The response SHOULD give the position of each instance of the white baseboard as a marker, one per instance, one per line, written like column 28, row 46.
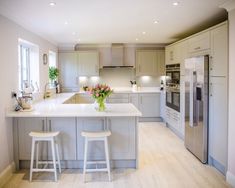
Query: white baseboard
column 6, row 174
column 230, row 178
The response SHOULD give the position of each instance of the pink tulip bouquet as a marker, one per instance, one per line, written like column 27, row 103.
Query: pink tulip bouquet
column 99, row 93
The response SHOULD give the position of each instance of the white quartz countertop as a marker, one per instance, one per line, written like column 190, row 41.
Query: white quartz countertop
column 54, row 107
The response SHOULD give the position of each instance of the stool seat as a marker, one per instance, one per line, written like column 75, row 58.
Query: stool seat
column 96, row 134
column 43, row 134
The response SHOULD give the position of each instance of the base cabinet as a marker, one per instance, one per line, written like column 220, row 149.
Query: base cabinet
column 95, row 149
column 25, row 126
column 123, row 138
column 149, row 105
column 121, row 142
column 66, row 139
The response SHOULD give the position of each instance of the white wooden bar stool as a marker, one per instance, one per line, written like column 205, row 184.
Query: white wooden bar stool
column 42, row 137
column 96, row 136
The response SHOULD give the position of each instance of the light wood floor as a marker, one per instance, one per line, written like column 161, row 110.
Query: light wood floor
column 164, row 162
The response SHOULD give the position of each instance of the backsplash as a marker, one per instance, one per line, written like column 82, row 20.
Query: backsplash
column 120, row 77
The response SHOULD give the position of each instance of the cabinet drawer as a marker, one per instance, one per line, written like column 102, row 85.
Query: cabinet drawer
column 118, row 101
column 200, row 42
column 119, row 96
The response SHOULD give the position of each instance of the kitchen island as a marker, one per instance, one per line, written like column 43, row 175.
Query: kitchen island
column 71, row 119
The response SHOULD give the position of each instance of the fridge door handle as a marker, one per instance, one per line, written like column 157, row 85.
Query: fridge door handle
column 193, row 106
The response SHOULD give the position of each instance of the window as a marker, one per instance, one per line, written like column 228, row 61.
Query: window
column 52, row 59
column 28, row 65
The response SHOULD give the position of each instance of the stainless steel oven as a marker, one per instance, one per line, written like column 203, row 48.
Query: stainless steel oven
column 173, row 86
column 173, row 98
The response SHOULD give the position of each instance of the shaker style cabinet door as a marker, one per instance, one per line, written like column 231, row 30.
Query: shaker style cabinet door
column 218, row 121
column 67, row 137
column 146, row 63
column 25, row 126
column 88, row 63
column 68, row 71
column 149, row 105
column 219, row 51
column 124, row 128
column 95, row 149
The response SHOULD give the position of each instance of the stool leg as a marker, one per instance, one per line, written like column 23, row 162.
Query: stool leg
column 53, row 157
column 58, row 156
column 85, row 160
column 32, row 159
column 37, row 143
column 107, row 156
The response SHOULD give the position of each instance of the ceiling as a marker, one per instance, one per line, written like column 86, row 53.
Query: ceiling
column 113, row 21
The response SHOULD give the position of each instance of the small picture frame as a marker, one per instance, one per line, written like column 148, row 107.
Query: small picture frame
column 45, row 59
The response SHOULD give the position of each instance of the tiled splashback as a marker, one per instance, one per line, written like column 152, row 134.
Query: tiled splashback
column 120, row 77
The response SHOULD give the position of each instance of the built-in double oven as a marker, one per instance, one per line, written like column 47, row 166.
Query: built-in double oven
column 173, row 86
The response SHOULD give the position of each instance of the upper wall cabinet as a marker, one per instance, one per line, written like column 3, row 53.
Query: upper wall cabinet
column 199, row 42
column 219, row 51
column 88, row 63
column 149, row 62
column 68, row 71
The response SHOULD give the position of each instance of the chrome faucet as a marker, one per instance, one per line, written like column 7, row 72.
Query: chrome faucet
column 45, row 90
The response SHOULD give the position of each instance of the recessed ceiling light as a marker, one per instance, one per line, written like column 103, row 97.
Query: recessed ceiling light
column 74, row 33
column 66, row 23
column 175, row 3
column 52, row 4
column 143, row 32
column 136, row 39
column 156, row 22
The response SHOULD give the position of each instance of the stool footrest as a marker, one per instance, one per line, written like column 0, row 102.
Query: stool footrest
column 42, row 170
column 96, row 162
column 97, row 170
column 47, row 162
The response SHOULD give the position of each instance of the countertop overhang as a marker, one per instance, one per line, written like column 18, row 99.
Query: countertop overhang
column 54, row 107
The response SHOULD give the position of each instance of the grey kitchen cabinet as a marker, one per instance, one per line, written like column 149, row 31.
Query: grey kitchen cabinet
column 170, row 54
column 95, row 149
column 88, row 63
column 67, row 137
column 161, row 62
column 149, row 104
column 118, row 98
column 68, row 67
column 219, row 51
column 134, row 99
column 146, row 63
column 218, row 120
column 122, row 141
column 25, row 126
column 199, row 42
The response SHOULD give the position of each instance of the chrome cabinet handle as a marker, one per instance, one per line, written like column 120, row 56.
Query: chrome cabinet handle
column 43, row 125
column 197, row 48
column 49, row 125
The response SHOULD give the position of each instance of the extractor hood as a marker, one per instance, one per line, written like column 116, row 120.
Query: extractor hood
column 117, row 57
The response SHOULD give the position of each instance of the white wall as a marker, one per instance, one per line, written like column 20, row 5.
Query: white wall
column 231, row 122
column 9, row 34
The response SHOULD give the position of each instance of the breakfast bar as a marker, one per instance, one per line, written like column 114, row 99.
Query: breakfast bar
column 70, row 120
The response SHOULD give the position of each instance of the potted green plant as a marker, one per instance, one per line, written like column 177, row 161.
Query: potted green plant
column 53, row 74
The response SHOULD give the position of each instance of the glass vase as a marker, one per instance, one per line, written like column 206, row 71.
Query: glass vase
column 101, row 104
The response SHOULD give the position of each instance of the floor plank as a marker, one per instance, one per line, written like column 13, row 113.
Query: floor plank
column 164, row 163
